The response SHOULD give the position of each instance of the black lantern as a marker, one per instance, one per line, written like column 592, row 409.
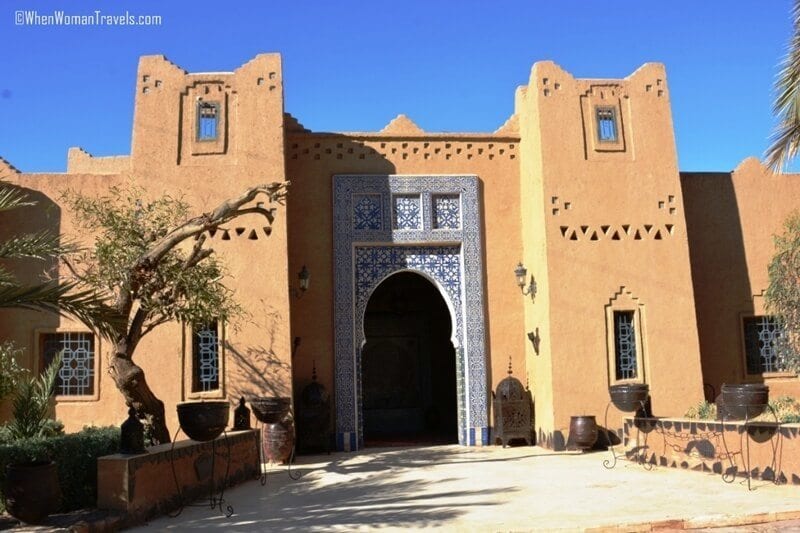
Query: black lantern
column 131, row 440
column 241, row 417
column 303, row 276
column 521, row 274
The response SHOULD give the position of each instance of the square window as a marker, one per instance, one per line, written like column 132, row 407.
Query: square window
column 207, row 121
column 606, row 124
column 625, row 357
column 205, row 357
column 762, row 336
column 407, row 212
column 76, row 376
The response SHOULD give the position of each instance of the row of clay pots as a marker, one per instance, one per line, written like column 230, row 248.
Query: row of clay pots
column 737, row 402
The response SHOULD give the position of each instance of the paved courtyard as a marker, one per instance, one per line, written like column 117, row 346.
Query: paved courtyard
column 454, row 488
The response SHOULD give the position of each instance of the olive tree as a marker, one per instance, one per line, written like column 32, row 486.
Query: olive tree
column 150, row 261
column 783, row 293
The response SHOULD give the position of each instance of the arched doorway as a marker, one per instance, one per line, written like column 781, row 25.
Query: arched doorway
column 408, row 364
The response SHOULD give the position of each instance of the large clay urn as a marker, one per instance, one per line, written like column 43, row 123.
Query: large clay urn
column 31, row 491
column 744, row 400
column 278, row 436
column 204, row 421
column 583, row 431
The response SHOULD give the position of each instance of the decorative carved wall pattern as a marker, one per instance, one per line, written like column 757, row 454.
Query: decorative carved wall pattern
column 618, row 232
column 311, row 147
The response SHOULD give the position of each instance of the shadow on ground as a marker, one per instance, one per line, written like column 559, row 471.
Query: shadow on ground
column 369, row 490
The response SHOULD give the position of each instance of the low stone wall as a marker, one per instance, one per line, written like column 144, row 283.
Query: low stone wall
column 713, row 446
column 144, row 486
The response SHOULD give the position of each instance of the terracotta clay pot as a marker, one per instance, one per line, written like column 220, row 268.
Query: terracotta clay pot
column 32, row 491
column 203, row 421
column 278, row 441
column 583, row 431
column 744, row 401
column 629, row 397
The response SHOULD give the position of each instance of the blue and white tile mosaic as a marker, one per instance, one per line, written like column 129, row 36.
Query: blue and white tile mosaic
column 406, row 211
column 369, row 246
column 446, row 211
column 367, row 212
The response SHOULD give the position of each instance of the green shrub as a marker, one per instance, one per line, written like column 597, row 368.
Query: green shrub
column 76, row 455
column 786, row 408
column 703, row 411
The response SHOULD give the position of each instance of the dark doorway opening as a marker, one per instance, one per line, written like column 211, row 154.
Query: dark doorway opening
column 408, row 365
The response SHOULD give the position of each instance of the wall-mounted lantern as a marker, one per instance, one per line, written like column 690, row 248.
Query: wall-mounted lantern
column 303, row 276
column 521, row 273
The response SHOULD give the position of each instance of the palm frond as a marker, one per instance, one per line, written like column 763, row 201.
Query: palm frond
column 32, row 401
column 785, row 140
column 6, row 277
column 39, row 245
column 11, row 198
column 66, row 299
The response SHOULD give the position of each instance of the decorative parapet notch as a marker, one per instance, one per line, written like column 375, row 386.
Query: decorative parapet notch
column 402, row 125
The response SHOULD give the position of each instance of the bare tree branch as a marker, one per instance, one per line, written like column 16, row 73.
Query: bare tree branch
column 227, row 210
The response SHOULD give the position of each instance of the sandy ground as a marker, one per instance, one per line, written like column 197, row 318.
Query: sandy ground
column 452, row 488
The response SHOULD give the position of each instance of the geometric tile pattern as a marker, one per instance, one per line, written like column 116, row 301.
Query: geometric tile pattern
column 367, row 212
column 374, row 263
column 76, row 376
column 446, row 211
column 625, row 342
column 206, row 358
column 406, row 211
column 762, row 335
column 367, row 250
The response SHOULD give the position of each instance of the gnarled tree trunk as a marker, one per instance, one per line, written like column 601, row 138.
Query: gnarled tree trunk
column 131, row 382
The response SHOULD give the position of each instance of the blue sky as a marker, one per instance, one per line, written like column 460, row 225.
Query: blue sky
column 353, row 66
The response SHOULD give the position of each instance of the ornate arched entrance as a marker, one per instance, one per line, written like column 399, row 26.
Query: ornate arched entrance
column 408, row 364
column 427, row 224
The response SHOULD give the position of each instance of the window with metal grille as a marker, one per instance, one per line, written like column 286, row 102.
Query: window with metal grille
column 205, row 357
column 625, row 345
column 761, row 337
column 606, row 124
column 76, row 376
column 207, row 121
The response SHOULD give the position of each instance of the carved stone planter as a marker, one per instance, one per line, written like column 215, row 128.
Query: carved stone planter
column 203, row 421
column 32, row 491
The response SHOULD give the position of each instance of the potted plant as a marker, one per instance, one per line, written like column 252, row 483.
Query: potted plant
column 31, row 488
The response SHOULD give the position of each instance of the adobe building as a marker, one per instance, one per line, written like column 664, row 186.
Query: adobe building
column 635, row 272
